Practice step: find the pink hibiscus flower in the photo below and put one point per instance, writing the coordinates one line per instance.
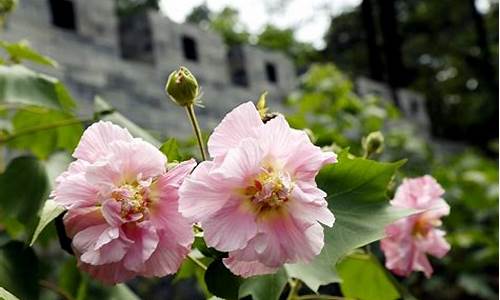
(258, 198)
(410, 239)
(123, 206)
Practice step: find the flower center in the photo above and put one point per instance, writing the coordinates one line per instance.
(423, 225)
(270, 189)
(133, 200)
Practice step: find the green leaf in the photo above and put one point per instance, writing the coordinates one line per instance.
(55, 165)
(19, 270)
(220, 281)
(265, 287)
(23, 188)
(356, 191)
(363, 270)
(21, 85)
(49, 212)
(22, 51)
(42, 133)
(171, 149)
(106, 112)
(122, 292)
(5, 295)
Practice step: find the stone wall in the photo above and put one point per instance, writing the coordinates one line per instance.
(92, 62)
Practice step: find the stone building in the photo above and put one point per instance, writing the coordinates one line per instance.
(127, 60)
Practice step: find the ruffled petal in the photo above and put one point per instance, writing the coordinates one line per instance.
(96, 139)
(247, 268)
(242, 122)
(201, 194)
(75, 191)
(231, 227)
(167, 257)
(145, 241)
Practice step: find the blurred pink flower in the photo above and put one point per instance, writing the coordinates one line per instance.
(410, 239)
(258, 198)
(123, 206)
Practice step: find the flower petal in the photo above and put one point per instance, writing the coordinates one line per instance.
(231, 227)
(96, 139)
(238, 124)
(201, 194)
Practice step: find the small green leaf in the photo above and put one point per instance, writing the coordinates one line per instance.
(23, 188)
(5, 295)
(19, 270)
(49, 212)
(356, 191)
(55, 165)
(265, 287)
(122, 292)
(363, 270)
(101, 106)
(221, 282)
(21, 85)
(22, 51)
(171, 149)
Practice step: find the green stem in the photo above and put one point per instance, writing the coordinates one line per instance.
(196, 129)
(197, 262)
(294, 289)
(53, 287)
(321, 297)
(36, 129)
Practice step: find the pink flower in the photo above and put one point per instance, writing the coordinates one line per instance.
(258, 198)
(123, 206)
(410, 239)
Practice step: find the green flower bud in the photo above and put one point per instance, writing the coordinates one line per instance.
(182, 87)
(373, 143)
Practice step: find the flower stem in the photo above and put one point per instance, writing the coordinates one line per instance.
(294, 289)
(196, 129)
(197, 262)
(321, 297)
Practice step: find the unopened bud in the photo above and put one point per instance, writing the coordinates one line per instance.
(373, 143)
(182, 87)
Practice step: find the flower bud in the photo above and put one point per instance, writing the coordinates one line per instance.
(182, 87)
(373, 143)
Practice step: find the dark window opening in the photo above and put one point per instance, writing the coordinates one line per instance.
(414, 107)
(136, 38)
(189, 48)
(63, 14)
(271, 74)
(237, 66)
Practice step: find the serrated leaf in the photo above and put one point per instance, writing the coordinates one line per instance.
(356, 191)
(100, 106)
(363, 270)
(21, 51)
(265, 287)
(21, 85)
(19, 270)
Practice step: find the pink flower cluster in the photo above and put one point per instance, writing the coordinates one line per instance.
(257, 199)
(122, 206)
(410, 239)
